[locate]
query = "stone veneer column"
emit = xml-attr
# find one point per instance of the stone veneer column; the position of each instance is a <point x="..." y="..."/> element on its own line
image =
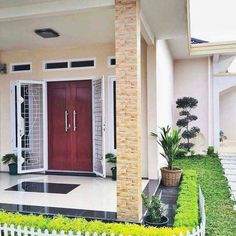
<point x="128" y="80"/>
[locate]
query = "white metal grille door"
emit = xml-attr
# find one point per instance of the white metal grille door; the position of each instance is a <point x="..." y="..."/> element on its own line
<point x="99" y="127"/>
<point x="30" y="126"/>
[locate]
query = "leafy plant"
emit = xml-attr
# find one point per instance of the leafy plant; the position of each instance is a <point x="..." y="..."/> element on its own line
<point x="187" y="202"/>
<point x="154" y="208"/>
<point x="186" y="104"/>
<point x="111" y="158"/>
<point x="76" y="225"/>
<point x="169" y="140"/>
<point x="10" y="158"/>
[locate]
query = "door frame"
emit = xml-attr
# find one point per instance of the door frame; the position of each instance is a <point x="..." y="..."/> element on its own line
<point x="46" y="116"/>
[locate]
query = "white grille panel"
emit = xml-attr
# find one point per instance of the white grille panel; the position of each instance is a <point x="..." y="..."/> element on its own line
<point x="31" y="127"/>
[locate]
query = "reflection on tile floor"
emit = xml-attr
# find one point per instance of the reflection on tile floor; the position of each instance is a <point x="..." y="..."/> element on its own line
<point x="94" y="194"/>
<point x="52" y="211"/>
<point x="168" y="197"/>
<point x="40" y="187"/>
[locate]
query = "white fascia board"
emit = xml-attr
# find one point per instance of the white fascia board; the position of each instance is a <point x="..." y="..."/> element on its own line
<point x="51" y="8"/>
<point x="146" y="31"/>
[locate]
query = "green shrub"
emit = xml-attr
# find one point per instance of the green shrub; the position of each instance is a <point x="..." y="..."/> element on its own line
<point x="60" y="223"/>
<point x="211" y="152"/>
<point x="187" y="213"/>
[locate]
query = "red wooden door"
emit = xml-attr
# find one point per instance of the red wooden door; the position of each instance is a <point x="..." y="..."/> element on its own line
<point x="70" y="126"/>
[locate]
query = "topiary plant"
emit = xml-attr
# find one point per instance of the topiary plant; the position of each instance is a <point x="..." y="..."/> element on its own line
<point x="186" y="104"/>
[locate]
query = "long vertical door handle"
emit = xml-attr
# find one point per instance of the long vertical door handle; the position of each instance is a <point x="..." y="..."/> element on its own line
<point x="74" y="120"/>
<point x="66" y="121"/>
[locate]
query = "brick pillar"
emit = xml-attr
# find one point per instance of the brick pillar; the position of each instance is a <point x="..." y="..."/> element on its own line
<point x="128" y="80"/>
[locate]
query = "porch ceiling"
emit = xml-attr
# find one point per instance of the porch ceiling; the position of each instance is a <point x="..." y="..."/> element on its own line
<point x="167" y="19"/>
<point x="14" y="3"/>
<point x="85" y="22"/>
<point x="92" y="26"/>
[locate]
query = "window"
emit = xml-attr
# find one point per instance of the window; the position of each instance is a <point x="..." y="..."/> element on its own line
<point x="70" y="64"/>
<point x="114" y="112"/>
<point x="20" y="67"/>
<point x="82" y="63"/>
<point x="111" y="61"/>
<point x="112" y="142"/>
<point x="56" y="65"/>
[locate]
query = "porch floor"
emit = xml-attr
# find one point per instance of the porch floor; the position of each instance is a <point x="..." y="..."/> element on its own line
<point x="91" y="197"/>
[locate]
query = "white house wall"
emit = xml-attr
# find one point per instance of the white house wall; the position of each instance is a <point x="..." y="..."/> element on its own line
<point x="99" y="51"/>
<point x="165" y="80"/>
<point x="191" y="79"/>
<point x="144" y="136"/>
<point x="221" y="84"/>
<point x="228" y="113"/>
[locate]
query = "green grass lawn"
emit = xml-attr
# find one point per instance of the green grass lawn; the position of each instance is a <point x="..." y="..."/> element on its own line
<point x="221" y="218"/>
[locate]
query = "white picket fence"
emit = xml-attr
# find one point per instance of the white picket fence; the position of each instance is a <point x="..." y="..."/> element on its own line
<point x="6" y="230"/>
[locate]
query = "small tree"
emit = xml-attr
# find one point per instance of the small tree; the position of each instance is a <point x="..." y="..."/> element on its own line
<point x="186" y="104"/>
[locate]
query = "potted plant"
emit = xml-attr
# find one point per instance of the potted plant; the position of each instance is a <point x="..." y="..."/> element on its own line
<point x="169" y="140"/>
<point x="154" y="216"/>
<point x="111" y="158"/>
<point x="10" y="160"/>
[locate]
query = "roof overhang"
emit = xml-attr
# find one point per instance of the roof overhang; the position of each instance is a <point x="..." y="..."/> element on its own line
<point x="207" y="49"/>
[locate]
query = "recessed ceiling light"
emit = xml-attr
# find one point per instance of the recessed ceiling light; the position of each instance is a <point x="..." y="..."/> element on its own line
<point x="47" y="33"/>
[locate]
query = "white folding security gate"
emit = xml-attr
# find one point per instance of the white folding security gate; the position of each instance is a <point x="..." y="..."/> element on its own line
<point x="30" y="137"/>
<point x="99" y="161"/>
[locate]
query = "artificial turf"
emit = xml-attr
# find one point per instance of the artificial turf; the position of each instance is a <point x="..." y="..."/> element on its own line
<point x="221" y="218"/>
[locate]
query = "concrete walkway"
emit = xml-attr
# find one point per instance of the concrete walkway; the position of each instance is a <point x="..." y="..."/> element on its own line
<point x="229" y="164"/>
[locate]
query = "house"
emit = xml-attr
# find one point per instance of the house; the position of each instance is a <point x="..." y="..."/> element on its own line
<point x="85" y="78"/>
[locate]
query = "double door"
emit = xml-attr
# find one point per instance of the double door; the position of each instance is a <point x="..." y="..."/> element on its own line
<point x="70" y="146"/>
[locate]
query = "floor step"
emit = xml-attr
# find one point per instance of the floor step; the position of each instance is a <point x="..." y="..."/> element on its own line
<point x="229" y="161"/>
<point x="232" y="186"/>
<point x="234" y="195"/>
<point x="231" y="178"/>
<point x="229" y="166"/>
<point x="228" y="158"/>
<point x="230" y="172"/>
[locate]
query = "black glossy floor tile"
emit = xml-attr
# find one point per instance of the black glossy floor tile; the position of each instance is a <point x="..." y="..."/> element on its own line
<point x="20" y="208"/>
<point x="150" y="190"/>
<point x="102" y="215"/>
<point x="68" y="212"/>
<point x="168" y="197"/>
<point x="53" y="211"/>
<point x="85" y="174"/>
<point x="41" y="187"/>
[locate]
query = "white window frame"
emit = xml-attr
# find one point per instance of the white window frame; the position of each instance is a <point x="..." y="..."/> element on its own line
<point x="21" y="71"/>
<point x="109" y="61"/>
<point x="69" y="61"/>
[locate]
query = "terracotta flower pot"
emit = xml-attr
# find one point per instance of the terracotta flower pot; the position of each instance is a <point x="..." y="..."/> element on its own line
<point x="171" y="178"/>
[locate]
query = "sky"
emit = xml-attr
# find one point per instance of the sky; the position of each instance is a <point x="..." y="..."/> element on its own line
<point x="213" y="20"/>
